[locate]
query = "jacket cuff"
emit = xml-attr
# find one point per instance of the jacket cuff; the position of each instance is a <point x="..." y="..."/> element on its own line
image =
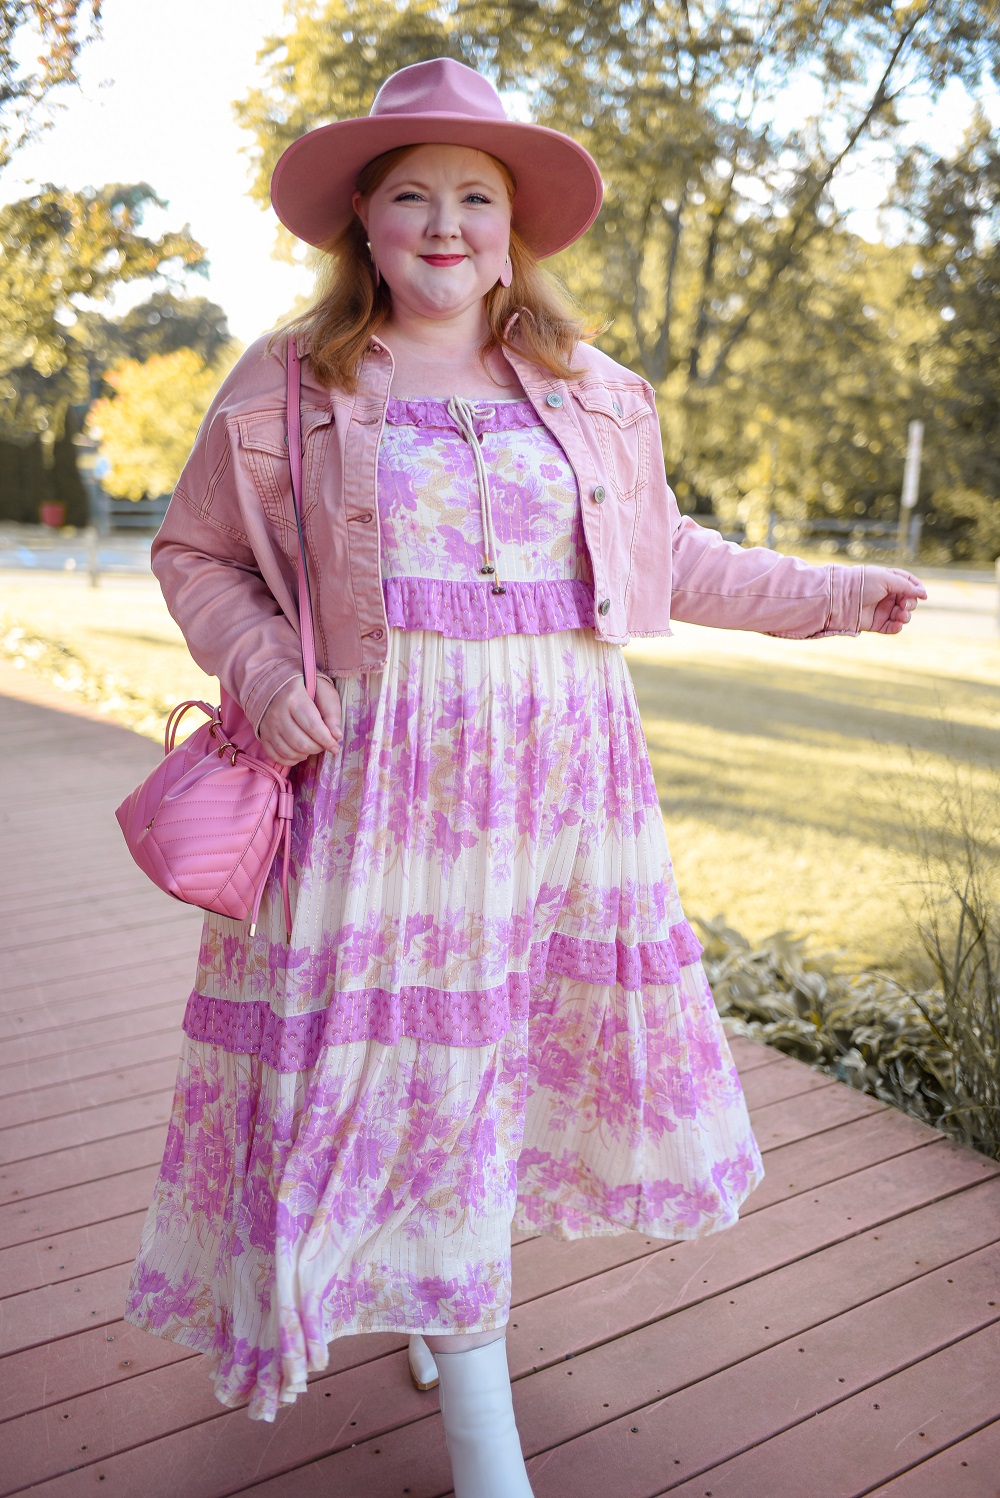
<point x="846" y="585"/>
<point x="264" y="691"/>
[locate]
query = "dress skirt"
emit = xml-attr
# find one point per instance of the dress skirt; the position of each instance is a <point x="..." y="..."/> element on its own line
<point x="491" y="1013"/>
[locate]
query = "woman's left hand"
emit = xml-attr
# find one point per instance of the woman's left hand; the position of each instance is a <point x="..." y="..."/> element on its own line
<point x="888" y="597"/>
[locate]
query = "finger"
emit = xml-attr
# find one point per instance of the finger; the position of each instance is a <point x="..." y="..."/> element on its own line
<point x="316" y="733"/>
<point x="289" y="752"/>
<point x="329" y="706"/>
<point x="914" y="588"/>
<point x="315" y="720"/>
<point x="280" y="753"/>
<point x="309" y="747"/>
<point x="291" y="738"/>
<point x="308" y="719"/>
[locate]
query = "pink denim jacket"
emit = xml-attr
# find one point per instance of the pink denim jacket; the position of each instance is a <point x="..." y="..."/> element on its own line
<point x="225" y="555"/>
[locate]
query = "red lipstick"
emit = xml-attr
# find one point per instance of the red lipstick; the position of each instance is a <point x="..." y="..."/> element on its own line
<point x="443" y="259"/>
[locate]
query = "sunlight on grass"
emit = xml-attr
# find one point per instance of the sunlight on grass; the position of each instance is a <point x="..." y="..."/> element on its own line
<point x="791" y="773"/>
<point x="120" y="630"/>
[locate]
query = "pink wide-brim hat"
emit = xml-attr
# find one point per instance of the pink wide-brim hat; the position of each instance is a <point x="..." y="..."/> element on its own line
<point x="558" y="188"/>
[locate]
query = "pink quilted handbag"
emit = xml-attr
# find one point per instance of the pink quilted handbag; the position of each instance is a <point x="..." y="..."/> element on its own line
<point x="207" y="824"/>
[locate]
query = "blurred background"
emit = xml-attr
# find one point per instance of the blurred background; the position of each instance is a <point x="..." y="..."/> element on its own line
<point x="798" y="249"/>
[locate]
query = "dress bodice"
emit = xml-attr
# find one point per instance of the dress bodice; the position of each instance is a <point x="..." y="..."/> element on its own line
<point x="446" y="511"/>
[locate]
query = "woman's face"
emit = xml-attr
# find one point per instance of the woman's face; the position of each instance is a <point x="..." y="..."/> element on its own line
<point x="439" y="228"/>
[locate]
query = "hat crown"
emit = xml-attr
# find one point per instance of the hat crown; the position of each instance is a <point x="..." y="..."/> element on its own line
<point x="440" y="86"/>
<point x="439" y="102"/>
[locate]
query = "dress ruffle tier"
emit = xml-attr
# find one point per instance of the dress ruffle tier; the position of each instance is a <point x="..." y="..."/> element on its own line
<point x="492" y="1010"/>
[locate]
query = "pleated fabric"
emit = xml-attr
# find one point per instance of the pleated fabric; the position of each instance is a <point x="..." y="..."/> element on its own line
<point x="492" y="1010"/>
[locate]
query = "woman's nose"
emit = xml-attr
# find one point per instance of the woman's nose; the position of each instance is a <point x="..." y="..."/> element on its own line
<point x="443" y="220"/>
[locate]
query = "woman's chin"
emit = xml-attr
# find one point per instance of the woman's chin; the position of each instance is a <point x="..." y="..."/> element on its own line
<point x="438" y="291"/>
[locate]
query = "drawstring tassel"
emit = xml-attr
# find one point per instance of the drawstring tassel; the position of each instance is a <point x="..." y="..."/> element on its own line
<point x="463" y="413"/>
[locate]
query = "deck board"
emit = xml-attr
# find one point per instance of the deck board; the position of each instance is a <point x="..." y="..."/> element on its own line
<point x="77" y="1075"/>
<point x="77" y="1035"/>
<point x="78" y="1164"/>
<point x="855" y="1305"/>
<point x="969" y="1468"/>
<point x="76" y="1206"/>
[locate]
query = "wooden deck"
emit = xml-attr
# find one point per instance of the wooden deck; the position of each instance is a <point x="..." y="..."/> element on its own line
<point x="843" y="1339"/>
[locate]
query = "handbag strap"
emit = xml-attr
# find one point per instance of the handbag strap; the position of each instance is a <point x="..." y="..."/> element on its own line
<point x="306" y="630"/>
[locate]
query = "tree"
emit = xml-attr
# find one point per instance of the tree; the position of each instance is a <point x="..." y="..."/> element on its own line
<point x="718" y="211"/>
<point x="61" y="247"/>
<point x="147" y="428"/>
<point x="955" y="205"/>
<point x="162" y="324"/>
<point x="62" y="28"/>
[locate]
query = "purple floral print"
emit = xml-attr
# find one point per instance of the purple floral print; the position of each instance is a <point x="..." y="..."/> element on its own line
<point x="492" y="1011"/>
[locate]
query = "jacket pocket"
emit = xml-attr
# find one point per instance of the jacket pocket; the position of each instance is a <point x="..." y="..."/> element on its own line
<point x="264" y="442"/>
<point x="621" y="419"/>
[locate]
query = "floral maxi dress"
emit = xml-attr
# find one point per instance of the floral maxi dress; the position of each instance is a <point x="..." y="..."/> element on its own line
<point x="492" y="1010"/>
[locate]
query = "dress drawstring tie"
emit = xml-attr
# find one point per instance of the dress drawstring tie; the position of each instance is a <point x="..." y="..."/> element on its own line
<point x="463" y="413"/>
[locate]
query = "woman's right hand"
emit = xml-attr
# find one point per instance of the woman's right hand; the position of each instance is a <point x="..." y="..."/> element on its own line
<point x="294" y="727"/>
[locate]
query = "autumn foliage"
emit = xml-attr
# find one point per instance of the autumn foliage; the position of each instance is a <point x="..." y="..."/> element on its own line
<point x="147" y="428"/>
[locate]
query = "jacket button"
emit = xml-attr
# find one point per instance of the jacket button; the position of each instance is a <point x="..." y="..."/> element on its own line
<point x="599" y="494"/>
<point x="368" y="515"/>
<point x="376" y="634"/>
<point x="555" y="399"/>
<point x="604" y="605"/>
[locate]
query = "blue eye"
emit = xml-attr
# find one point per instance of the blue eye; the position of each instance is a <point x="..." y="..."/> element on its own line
<point x="480" y="197"/>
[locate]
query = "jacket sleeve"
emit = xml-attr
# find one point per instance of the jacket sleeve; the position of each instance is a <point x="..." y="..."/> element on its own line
<point x="212" y="583"/>
<point x="717" y="582"/>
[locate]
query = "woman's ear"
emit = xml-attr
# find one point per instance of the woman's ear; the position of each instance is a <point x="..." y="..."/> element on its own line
<point x="357" y="203"/>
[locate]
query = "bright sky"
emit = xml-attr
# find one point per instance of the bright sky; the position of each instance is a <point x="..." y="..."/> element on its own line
<point x="155" y="106"/>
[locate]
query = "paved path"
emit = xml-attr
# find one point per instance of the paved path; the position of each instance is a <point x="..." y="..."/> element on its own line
<point x="843" y="1339"/>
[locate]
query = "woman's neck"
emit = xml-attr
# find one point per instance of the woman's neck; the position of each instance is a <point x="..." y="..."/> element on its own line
<point x="433" y="362"/>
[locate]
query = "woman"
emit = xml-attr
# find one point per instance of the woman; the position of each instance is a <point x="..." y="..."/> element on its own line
<point x="491" y="1010"/>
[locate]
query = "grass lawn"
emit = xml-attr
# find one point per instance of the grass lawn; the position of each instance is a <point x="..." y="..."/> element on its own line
<point x="790" y="773"/>
<point x="120" y="630"/>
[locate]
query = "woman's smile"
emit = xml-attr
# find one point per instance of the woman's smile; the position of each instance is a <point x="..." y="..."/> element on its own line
<point x="446" y="208"/>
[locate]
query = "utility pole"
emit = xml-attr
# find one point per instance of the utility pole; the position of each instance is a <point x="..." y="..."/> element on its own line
<point x="911" y="484"/>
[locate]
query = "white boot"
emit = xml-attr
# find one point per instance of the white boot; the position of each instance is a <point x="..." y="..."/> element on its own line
<point x="483" y="1444"/>
<point x="423" y="1369"/>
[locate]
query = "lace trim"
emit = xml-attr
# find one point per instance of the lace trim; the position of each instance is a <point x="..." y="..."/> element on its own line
<point x="464" y="609"/>
<point x="498" y="416"/>
<point x="448" y="1017"/>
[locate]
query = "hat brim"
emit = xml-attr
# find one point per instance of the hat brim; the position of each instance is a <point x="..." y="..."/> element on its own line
<point x="558" y="186"/>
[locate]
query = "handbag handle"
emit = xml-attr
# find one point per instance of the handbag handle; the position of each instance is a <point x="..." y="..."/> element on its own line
<point x="306" y="631"/>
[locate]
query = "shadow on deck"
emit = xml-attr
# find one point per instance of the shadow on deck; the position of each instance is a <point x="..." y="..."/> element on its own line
<point x="843" y="1339"/>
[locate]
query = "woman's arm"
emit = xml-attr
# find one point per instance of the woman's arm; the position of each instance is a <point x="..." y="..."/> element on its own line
<point x="223" y="586"/>
<point x="229" y="617"/>
<point x="235" y="630"/>
<point x="719" y="583"/>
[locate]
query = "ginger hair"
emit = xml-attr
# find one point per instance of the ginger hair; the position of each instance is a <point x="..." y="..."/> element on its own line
<point x="349" y="309"/>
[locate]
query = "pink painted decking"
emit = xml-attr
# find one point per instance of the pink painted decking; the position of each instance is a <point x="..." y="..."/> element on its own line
<point x="843" y="1339"/>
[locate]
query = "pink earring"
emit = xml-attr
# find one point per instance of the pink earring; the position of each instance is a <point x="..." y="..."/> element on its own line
<point x="506" y="273"/>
